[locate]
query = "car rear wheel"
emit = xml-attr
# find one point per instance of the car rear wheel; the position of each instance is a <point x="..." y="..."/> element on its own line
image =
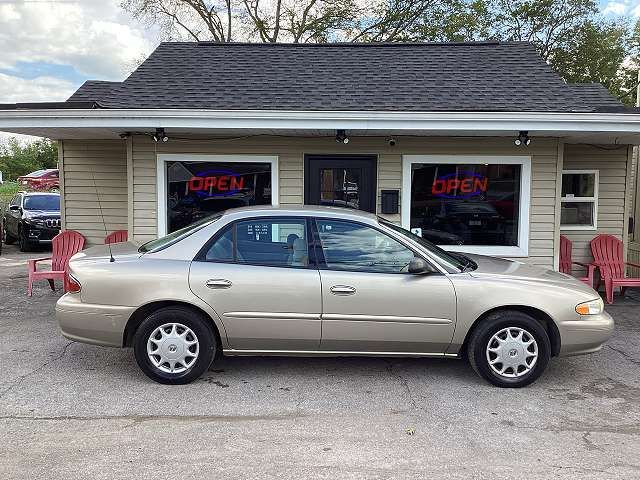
<point x="174" y="345"/>
<point x="8" y="239"/>
<point x="509" y="349"/>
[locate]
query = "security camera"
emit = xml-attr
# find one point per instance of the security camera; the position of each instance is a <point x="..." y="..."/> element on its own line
<point x="392" y="142"/>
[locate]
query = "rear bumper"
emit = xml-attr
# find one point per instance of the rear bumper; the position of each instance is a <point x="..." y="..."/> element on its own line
<point x="94" y="324"/>
<point x="585" y="335"/>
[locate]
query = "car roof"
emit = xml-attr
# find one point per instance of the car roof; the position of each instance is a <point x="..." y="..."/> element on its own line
<point x="301" y="211"/>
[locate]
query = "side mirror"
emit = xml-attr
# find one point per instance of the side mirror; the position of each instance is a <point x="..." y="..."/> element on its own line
<point x="15" y="208"/>
<point x="419" y="266"/>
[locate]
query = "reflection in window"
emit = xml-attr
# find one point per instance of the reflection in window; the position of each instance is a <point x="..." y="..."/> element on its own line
<point x="355" y="247"/>
<point x="198" y="189"/>
<point x="340" y="187"/>
<point x="472" y="204"/>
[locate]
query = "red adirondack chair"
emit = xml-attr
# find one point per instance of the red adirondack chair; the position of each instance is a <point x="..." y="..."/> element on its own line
<point x="567" y="263"/>
<point x="65" y="245"/>
<point x="608" y="256"/>
<point x="116" y="237"/>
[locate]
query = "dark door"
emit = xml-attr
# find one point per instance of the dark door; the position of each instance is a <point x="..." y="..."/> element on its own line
<point x="341" y="181"/>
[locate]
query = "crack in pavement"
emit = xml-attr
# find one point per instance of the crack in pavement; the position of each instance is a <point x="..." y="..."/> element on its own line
<point x="404" y="382"/>
<point x="624" y="354"/>
<point x="22" y="378"/>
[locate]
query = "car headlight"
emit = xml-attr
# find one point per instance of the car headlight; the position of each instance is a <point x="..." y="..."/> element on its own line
<point x="593" y="307"/>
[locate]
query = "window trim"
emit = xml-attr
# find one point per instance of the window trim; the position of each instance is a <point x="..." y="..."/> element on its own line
<point x="322" y="263"/>
<point x="201" y="256"/>
<point x="593" y="200"/>
<point x="161" y="180"/>
<point x="520" y="250"/>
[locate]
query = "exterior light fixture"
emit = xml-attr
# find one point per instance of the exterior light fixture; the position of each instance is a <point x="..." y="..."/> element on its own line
<point x="160" y="136"/>
<point x="523" y="139"/>
<point x="391" y="141"/>
<point x="341" y="137"/>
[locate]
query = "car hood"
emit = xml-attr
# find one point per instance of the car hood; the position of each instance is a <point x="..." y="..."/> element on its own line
<point x="515" y="270"/>
<point x="103" y="252"/>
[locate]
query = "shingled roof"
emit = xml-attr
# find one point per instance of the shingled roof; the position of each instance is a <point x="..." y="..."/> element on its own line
<point x="482" y="76"/>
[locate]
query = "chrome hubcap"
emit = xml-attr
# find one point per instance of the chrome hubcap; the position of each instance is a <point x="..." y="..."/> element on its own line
<point x="172" y="348"/>
<point x="512" y="352"/>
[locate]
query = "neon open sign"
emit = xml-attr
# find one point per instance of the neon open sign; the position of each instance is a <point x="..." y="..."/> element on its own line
<point x="459" y="185"/>
<point x="216" y="183"/>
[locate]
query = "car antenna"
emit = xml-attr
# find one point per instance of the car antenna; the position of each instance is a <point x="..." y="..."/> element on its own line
<point x="104" y="223"/>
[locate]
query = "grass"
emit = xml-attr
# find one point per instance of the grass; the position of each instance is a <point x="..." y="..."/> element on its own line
<point x="7" y="191"/>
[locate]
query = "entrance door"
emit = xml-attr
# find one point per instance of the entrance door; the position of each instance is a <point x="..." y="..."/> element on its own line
<point x="341" y="181"/>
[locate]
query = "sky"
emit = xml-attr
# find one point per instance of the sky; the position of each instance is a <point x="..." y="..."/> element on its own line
<point x="48" y="48"/>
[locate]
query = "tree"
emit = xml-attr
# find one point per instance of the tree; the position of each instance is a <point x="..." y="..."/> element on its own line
<point x="282" y="20"/>
<point x="19" y="159"/>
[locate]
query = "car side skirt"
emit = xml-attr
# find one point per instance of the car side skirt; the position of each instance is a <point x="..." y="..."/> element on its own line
<point x="332" y="353"/>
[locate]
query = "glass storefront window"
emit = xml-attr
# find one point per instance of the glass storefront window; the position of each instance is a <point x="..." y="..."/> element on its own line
<point x="196" y="190"/>
<point x="466" y="204"/>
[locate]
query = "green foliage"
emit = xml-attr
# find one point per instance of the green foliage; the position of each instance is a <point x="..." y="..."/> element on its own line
<point x="7" y="191"/>
<point x="19" y="159"/>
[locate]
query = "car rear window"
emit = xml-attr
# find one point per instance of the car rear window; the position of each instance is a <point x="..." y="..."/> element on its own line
<point x="42" y="202"/>
<point x="175" y="237"/>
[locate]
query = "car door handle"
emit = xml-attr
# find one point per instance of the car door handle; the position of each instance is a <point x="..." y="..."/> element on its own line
<point x="342" y="290"/>
<point x="218" y="283"/>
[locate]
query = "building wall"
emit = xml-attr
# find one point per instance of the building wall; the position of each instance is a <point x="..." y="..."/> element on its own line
<point x="94" y="175"/>
<point x="291" y="150"/>
<point x="611" y="161"/>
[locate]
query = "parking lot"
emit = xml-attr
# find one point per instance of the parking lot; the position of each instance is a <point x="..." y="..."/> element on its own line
<point x="69" y="410"/>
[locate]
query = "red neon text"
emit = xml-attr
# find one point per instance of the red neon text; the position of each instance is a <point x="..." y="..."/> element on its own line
<point x="448" y="186"/>
<point x="221" y="183"/>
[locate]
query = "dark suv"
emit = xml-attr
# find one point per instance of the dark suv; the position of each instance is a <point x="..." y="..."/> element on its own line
<point x="32" y="219"/>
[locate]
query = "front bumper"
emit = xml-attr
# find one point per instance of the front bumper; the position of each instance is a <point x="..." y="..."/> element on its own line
<point x="585" y="335"/>
<point x="38" y="234"/>
<point x="94" y="324"/>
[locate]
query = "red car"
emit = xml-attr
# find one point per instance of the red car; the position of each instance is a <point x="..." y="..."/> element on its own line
<point x="41" y="180"/>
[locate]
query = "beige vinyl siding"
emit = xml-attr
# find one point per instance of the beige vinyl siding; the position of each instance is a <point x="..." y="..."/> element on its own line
<point x="291" y="151"/>
<point x="94" y="175"/>
<point x="611" y="162"/>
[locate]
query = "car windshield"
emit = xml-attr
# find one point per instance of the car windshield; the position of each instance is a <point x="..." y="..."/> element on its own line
<point x="456" y="260"/>
<point x="42" y="202"/>
<point x="174" y="237"/>
<point x="37" y="173"/>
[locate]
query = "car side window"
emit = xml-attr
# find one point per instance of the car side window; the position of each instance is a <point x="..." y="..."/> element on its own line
<point x="356" y="247"/>
<point x="15" y="201"/>
<point x="272" y="242"/>
<point x="221" y="249"/>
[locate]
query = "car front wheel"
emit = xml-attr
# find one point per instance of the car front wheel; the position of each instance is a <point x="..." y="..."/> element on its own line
<point x="509" y="349"/>
<point x="23" y="241"/>
<point x="175" y="345"/>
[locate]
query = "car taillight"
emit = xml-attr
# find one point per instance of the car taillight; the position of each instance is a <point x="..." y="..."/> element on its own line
<point x="72" y="284"/>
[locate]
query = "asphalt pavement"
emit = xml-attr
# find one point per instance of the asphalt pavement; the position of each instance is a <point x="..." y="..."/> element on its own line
<point x="74" y="411"/>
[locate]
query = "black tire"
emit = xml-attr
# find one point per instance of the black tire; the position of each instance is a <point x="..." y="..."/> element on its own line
<point x="24" y="243"/>
<point x="199" y="325"/>
<point x="496" y="322"/>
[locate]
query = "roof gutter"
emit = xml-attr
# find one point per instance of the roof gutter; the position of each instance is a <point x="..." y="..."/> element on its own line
<point x="141" y="120"/>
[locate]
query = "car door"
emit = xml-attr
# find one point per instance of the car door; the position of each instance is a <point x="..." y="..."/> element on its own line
<point x="13" y="216"/>
<point x="370" y="301"/>
<point x="257" y="276"/>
